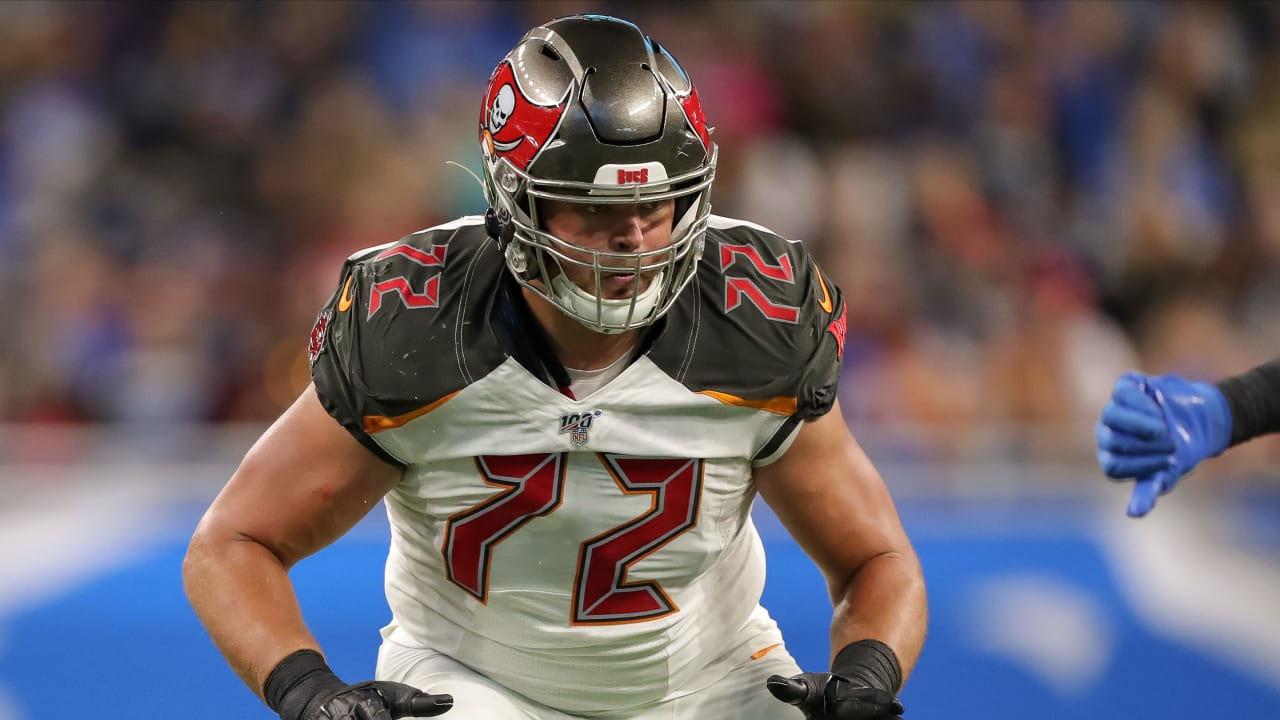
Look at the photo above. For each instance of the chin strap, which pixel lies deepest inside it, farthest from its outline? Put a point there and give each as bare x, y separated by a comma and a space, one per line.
498, 224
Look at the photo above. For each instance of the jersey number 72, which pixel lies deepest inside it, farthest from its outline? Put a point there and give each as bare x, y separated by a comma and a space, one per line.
602, 592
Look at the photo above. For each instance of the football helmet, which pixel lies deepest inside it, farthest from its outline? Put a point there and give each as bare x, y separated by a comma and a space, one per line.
588, 109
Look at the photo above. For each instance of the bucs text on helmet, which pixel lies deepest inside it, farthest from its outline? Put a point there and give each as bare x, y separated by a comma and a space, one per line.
589, 109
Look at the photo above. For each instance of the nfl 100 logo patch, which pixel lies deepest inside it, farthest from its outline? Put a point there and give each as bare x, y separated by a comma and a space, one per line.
577, 425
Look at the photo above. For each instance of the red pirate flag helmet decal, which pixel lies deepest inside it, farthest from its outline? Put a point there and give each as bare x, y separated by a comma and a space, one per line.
512, 125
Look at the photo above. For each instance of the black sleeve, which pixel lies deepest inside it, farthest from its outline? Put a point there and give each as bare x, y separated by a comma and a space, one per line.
818, 378
762, 327
826, 318
1254, 400
337, 365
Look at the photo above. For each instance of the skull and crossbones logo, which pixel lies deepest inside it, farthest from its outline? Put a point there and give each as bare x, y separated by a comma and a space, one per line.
504, 104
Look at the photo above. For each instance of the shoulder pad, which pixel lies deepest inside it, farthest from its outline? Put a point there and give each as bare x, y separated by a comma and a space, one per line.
762, 327
405, 328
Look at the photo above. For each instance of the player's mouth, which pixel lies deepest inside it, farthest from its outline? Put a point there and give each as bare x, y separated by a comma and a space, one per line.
619, 285
616, 284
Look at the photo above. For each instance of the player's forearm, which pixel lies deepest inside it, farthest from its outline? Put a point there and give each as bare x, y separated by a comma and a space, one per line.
1254, 400
243, 595
885, 600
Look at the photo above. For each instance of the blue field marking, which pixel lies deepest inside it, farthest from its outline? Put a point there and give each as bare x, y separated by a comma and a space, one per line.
1026, 619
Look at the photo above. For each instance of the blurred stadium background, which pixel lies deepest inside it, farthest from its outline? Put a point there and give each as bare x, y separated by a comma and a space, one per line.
1021, 199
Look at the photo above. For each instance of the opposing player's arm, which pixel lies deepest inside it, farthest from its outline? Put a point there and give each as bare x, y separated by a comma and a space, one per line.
833, 501
300, 487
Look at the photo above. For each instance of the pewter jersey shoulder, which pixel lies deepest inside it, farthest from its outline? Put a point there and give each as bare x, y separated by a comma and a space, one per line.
404, 329
409, 325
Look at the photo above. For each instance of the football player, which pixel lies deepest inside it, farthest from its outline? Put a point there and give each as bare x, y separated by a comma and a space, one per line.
1155, 429
569, 405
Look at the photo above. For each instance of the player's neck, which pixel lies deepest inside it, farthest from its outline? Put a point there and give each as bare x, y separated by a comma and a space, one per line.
575, 345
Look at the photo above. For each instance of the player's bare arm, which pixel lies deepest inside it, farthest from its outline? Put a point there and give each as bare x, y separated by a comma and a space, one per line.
302, 485
833, 501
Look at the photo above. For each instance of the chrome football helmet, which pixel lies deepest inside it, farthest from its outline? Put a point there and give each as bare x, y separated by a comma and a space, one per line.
588, 109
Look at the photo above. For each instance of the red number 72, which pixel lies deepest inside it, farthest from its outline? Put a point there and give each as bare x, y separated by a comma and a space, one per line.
602, 593
738, 288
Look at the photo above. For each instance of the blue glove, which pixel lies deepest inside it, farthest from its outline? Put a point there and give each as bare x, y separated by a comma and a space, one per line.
1156, 429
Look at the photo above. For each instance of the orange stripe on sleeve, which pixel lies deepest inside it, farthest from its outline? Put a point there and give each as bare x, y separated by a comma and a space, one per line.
378, 423
779, 405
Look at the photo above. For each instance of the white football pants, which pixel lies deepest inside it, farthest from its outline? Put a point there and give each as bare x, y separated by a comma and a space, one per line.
739, 694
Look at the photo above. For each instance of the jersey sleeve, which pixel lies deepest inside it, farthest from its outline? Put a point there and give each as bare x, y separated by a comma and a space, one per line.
763, 329
336, 354
773, 333
405, 331
819, 375
818, 353
1254, 400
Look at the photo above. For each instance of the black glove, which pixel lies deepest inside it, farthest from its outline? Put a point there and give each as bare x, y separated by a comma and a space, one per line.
823, 696
302, 687
861, 686
380, 700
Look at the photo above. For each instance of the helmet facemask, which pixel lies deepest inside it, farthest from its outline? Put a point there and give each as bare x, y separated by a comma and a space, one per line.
564, 139
539, 259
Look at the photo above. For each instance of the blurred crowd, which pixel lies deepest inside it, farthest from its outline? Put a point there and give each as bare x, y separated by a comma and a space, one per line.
1021, 199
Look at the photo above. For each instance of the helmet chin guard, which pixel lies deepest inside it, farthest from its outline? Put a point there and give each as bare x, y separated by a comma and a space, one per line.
610, 316
587, 109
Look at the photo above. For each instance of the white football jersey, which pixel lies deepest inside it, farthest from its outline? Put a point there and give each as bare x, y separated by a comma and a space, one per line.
590, 553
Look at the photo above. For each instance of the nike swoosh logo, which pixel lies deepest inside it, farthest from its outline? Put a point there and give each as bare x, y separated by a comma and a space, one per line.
344, 302
825, 302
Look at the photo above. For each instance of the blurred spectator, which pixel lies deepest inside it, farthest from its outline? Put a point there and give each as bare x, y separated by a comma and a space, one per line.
1020, 199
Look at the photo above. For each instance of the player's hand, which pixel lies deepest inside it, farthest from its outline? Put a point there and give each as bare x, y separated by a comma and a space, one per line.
1156, 429
824, 696
302, 686
380, 700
